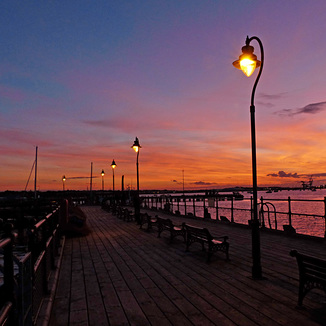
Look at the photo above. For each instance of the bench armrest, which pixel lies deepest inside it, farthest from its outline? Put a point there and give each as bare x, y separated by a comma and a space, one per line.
225, 238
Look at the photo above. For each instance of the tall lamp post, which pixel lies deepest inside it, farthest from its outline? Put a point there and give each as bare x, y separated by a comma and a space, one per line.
113, 166
102, 174
136, 146
63, 182
248, 63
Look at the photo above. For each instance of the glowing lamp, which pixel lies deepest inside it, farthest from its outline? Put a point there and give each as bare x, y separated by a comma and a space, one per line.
64, 178
247, 61
113, 165
102, 173
136, 145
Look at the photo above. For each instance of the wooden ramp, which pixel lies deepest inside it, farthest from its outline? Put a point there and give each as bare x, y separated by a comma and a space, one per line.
121, 275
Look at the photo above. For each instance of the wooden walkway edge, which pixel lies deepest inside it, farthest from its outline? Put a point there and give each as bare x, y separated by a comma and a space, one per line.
121, 275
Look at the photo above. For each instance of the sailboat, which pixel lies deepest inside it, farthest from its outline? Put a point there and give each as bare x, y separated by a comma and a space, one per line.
34, 167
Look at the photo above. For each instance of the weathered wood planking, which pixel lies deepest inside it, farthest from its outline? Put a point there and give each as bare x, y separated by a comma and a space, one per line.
122, 275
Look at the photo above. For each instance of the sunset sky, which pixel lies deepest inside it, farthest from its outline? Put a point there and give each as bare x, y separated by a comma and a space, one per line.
81, 79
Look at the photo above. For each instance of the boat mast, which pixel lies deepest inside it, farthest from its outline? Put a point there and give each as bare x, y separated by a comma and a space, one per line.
35, 179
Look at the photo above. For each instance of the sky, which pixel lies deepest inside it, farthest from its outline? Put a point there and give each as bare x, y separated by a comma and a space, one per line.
81, 79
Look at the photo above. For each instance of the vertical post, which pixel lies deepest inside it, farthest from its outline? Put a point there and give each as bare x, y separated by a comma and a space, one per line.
35, 178
262, 211
256, 267
8, 272
290, 212
232, 217
178, 203
137, 200
185, 201
216, 203
91, 182
325, 215
194, 205
113, 180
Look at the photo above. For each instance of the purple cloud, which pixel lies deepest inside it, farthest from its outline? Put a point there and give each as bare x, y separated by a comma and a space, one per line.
282, 174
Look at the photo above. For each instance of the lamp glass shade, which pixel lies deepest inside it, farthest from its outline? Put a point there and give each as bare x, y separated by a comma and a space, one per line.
113, 165
248, 66
136, 148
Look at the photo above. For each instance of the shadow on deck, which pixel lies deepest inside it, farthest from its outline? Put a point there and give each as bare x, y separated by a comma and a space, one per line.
121, 275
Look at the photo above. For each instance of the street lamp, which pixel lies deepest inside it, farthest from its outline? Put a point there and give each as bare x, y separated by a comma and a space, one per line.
248, 63
136, 146
113, 165
102, 174
63, 182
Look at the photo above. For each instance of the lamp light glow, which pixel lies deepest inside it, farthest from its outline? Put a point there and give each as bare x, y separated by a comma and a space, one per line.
136, 146
113, 165
247, 61
248, 66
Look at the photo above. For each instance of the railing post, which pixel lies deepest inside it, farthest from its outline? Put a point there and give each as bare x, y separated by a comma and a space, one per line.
325, 216
194, 205
262, 211
8, 264
216, 201
232, 217
185, 200
251, 210
204, 204
290, 213
178, 203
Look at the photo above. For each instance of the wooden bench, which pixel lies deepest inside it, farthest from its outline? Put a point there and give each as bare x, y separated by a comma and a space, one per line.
147, 219
167, 225
203, 236
128, 215
312, 274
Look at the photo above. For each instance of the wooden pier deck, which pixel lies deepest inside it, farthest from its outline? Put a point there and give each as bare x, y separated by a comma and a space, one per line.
121, 275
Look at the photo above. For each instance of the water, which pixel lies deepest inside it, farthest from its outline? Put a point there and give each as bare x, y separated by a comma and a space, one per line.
307, 207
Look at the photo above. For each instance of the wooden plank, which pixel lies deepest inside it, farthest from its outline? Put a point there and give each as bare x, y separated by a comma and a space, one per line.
121, 275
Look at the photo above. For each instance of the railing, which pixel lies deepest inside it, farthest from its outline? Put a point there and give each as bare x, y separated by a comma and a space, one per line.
273, 212
7, 289
26, 273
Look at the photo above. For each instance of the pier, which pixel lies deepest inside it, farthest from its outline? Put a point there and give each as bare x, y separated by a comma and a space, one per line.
122, 275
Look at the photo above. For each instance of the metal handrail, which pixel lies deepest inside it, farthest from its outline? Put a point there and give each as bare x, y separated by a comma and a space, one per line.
43, 244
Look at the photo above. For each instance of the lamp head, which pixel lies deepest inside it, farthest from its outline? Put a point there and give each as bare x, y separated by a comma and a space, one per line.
113, 165
247, 60
102, 173
136, 145
64, 178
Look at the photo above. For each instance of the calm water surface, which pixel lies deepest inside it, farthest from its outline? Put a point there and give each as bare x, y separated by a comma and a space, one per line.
313, 224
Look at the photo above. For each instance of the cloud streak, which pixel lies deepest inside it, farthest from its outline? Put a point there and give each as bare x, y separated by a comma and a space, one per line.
282, 174
312, 108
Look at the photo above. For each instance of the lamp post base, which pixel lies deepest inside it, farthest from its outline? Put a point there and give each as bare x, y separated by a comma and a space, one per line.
256, 264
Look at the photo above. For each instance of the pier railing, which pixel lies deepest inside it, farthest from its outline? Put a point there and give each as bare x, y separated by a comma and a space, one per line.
274, 213
26, 271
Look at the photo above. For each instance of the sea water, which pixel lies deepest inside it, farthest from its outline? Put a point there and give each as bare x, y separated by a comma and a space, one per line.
307, 208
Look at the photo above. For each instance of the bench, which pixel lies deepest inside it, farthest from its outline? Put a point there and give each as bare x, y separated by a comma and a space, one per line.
312, 274
128, 215
147, 219
203, 236
167, 225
